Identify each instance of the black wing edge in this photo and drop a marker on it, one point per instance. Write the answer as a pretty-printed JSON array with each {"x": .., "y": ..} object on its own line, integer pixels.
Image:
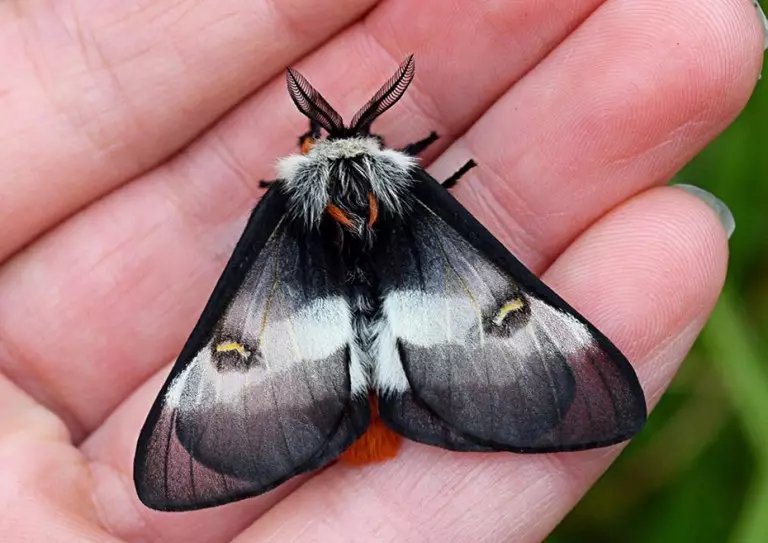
[
  {"x": 434, "y": 431},
  {"x": 432, "y": 194},
  {"x": 261, "y": 224}
]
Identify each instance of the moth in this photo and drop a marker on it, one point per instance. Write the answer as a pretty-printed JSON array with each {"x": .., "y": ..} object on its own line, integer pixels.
[{"x": 363, "y": 303}]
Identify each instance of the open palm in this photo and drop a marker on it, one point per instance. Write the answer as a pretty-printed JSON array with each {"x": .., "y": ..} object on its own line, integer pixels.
[{"x": 132, "y": 141}]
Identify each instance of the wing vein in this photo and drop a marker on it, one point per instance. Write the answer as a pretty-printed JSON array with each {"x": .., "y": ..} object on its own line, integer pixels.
[
  {"x": 542, "y": 354},
  {"x": 465, "y": 287}
]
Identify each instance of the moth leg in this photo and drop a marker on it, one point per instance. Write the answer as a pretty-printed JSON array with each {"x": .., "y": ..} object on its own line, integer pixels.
[
  {"x": 452, "y": 180},
  {"x": 308, "y": 138},
  {"x": 420, "y": 146}
]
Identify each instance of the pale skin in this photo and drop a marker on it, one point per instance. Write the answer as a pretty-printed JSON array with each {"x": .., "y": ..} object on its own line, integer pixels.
[{"x": 132, "y": 140}]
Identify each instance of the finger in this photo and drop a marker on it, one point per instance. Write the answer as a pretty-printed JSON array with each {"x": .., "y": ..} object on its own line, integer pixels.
[
  {"x": 125, "y": 279},
  {"x": 44, "y": 480},
  {"x": 110, "y": 451},
  {"x": 97, "y": 92},
  {"x": 647, "y": 275},
  {"x": 620, "y": 106}
]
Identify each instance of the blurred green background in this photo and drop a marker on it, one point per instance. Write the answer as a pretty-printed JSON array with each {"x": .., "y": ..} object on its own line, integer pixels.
[{"x": 699, "y": 472}]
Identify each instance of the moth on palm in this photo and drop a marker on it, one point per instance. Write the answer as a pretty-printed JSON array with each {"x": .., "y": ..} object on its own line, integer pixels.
[{"x": 363, "y": 303}]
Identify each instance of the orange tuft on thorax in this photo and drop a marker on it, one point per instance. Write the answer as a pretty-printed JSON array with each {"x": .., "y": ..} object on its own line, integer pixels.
[
  {"x": 339, "y": 216},
  {"x": 307, "y": 144},
  {"x": 373, "y": 207},
  {"x": 377, "y": 444}
]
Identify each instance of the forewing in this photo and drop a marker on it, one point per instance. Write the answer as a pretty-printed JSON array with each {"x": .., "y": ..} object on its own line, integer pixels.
[
  {"x": 261, "y": 392},
  {"x": 475, "y": 353}
]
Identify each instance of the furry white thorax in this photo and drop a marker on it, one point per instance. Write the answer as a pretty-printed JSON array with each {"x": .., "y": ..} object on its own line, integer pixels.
[{"x": 306, "y": 177}]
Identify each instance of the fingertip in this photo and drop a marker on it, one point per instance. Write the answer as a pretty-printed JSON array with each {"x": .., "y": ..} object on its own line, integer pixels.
[
  {"x": 646, "y": 269},
  {"x": 720, "y": 208}
]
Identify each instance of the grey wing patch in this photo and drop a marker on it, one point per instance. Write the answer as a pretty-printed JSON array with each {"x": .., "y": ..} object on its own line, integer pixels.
[
  {"x": 465, "y": 348},
  {"x": 269, "y": 396}
]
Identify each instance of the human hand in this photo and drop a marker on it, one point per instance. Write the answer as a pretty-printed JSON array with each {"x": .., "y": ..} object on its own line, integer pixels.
[{"x": 113, "y": 238}]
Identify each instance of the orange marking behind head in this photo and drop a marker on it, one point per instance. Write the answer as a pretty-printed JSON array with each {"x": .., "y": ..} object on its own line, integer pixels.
[
  {"x": 377, "y": 444},
  {"x": 373, "y": 212},
  {"x": 338, "y": 215},
  {"x": 307, "y": 144}
]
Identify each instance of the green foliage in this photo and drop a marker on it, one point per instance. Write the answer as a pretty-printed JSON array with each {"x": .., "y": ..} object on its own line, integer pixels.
[{"x": 700, "y": 470}]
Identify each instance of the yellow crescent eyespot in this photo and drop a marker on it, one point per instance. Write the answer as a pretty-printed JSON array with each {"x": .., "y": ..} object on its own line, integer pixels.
[
  {"x": 506, "y": 309},
  {"x": 229, "y": 346}
]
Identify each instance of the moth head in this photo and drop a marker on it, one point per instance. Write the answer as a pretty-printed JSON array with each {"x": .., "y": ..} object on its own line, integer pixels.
[{"x": 349, "y": 174}]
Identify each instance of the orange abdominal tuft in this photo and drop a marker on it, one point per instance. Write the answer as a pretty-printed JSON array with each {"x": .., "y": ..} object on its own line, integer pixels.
[
  {"x": 377, "y": 444},
  {"x": 339, "y": 216},
  {"x": 373, "y": 207}
]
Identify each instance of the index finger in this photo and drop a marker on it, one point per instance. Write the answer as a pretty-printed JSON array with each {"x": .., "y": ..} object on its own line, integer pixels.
[{"x": 94, "y": 93}]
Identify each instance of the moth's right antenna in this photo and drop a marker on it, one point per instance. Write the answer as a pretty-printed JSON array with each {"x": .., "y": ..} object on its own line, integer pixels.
[{"x": 390, "y": 93}]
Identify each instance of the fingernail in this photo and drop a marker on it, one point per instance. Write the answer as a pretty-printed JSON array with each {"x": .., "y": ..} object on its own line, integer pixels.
[
  {"x": 714, "y": 203},
  {"x": 764, "y": 21}
]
